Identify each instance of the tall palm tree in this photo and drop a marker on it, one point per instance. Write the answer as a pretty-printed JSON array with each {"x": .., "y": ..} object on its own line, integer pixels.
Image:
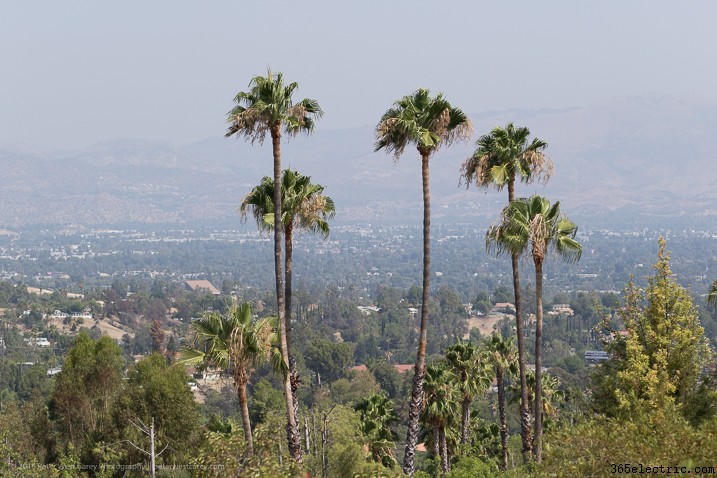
[
  {"x": 440, "y": 408},
  {"x": 473, "y": 376},
  {"x": 502, "y": 355},
  {"x": 534, "y": 222},
  {"x": 501, "y": 157},
  {"x": 304, "y": 208},
  {"x": 426, "y": 122},
  {"x": 268, "y": 107},
  {"x": 377, "y": 416},
  {"x": 232, "y": 341}
]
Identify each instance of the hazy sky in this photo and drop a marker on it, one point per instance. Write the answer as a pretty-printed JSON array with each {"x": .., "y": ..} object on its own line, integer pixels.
[{"x": 77, "y": 72}]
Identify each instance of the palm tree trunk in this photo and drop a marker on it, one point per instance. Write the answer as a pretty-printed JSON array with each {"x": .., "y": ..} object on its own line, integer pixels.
[
  {"x": 525, "y": 419},
  {"x": 292, "y": 430},
  {"x": 445, "y": 464},
  {"x": 538, "y": 443},
  {"x": 288, "y": 269},
  {"x": 501, "y": 414},
  {"x": 420, "y": 370},
  {"x": 465, "y": 419},
  {"x": 244, "y": 404},
  {"x": 436, "y": 442}
]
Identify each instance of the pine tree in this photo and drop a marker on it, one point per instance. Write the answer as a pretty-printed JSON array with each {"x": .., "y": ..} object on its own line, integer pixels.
[{"x": 665, "y": 348}]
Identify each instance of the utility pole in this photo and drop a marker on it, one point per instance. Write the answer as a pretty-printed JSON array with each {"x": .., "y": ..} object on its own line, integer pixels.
[
  {"x": 4, "y": 345},
  {"x": 325, "y": 444},
  {"x": 151, "y": 448},
  {"x": 149, "y": 431},
  {"x": 306, "y": 434}
]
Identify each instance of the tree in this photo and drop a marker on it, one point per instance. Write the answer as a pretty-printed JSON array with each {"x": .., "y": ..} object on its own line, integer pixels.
[
  {"x": 427, "y": 122},
  {"x": 440, "y": 408},
  {"x": 534, "y": 222},
  {"x": 665, "y": 348},
  {"x": 377, "y": 416},
  {"x": 304, "y": 207},
  {"x": 157, "y": 337},
  {"x": 233, "y": 340},
  {"x": 473, "y": 376},
  {"x": 330, "y": 359},
  {"x": 500, "y": 158},
  {"x": 502, "y": 355},
  {"x": 268, "y": 107},
  {"x": 157, "y": 391},
  {"x": 712, "y": 294},
  {"x": 552, "y": 394},
  {"x": 86, "y": 390}
]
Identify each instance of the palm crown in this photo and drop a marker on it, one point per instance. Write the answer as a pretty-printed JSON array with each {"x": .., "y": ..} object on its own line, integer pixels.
[
  {"x": 502, "y": 353},
  {"x": 267, "y": 105},
  {"x": 377, "y": 416},
  {"x": 503, "y": 155},
  {"x": 421, "y": 120},
  {"x": 439, "y": 396},
  {"x": 232, "y": 340},
  {"x": 303, "y": 204},
  {"x": 536, "y": 222},
  {"x": 471, "y": 371}
]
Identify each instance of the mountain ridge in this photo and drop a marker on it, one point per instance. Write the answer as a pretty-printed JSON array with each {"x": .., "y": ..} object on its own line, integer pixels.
[{"x": 652, "y": 151}]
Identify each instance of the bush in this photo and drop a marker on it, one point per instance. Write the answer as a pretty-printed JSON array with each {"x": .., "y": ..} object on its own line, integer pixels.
[{"x": 663, "y": 437}]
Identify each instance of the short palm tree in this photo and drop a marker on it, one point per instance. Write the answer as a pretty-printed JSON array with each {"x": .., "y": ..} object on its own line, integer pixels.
[
  {"x": 534, "y": 222},
  {"x": 304, "y": 208},
  {"x": 712, "y": 294},
  {"x": 268, "y": 107},
  {"x": 503, "y": 355},
  {"x": 473, "y": 376},
  {"x": 232, "y": 341},
  {"x": 377, "y": 415},
  {"x": 501, "y": 157},
  {"x": 428, "y": 123},
  {"x": 440, "y": 399},
  {"x": 552, "y": 395}
]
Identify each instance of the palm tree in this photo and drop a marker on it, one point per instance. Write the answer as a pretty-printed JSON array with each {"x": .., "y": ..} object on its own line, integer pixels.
[
  {"x": 712, "y": 294},
  {"x": 473, "y": 376},
  {"x": 440, "y": 409},
  {"x": 501, "y": 157},
  {"x": 268, "y": 107},
  {"x": 377, "y": 416},
  {"x": 551, "y": 393},
  {"x": 427, "y": 122},
  {"x": 502, "y": 354},
  {"x": 232, "y": 341},
  {"x": 536, "y": 223},
  {"x": 304, "y": 208}
]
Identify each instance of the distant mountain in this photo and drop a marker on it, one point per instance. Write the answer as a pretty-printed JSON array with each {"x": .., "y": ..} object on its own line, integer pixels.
[{"x": 649, "y": 155}]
